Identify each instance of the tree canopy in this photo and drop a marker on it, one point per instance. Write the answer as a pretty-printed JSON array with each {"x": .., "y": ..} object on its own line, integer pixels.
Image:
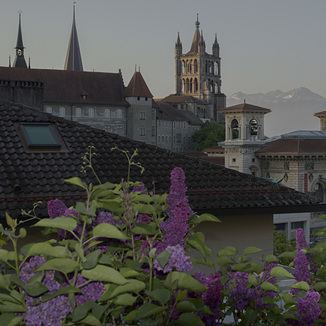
[{"x": 209, "y": 135}]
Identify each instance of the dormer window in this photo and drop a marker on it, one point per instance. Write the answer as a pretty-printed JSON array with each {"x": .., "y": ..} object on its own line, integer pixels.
[{"x": 84, "y": 95}]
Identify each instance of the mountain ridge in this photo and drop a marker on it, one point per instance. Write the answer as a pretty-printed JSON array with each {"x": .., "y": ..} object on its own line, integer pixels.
[{"x": 291, "y": 110}]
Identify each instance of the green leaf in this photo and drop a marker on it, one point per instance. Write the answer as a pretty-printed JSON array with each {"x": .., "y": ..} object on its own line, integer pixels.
[
  {"x": 62, "y": 290},
  {"x": 271, "y": 259},
  {"x": 268, "y": 286},
  {"x": 250, "y": 316},
  {"x": 224, "y": 261},
  {"x": 228, "y": 251},
  {"x": 301, "y": 286},
  {"x": 82, "y": 209},
  {"x": 63, "y": 265},
  {"x": 92, "y": 259},
  {"x": 197, "y": 241},
  {"x": 320, "y": 286},
  {"x": 3, "y": 283},
  {"x": 144, "y": 209},
  {"x": 65, "y": 223},
  {"x": 45, "y": 249},
  {"x": 280, "y": 272},
  {"x": 204, "y": 218},
  {"x": 4, "y": 255},
  {"x": 187, "y": 319},
  {"x": 251, "y": 251},
  {"x": 184, "y": 281},
  {"x": 10, "y": 319},
  {"x": 125, "y": 299},
  {"x": 106, "y": 230},
  {"x": 133, "y": 286},
  {"x": 128, "y": 272},
  {"x": 193, "y": 305},
  {"x": 143, "y": 198},
  {"x": 288, "y": 298},
  {"x": 149, "y": 309},
  {"x": 11, "y": 307},
  {"x": 143, "y": 228},
  {"x": 104, "y": 274},
  {"x": 252, "y": 280},
  {"x": 90, "y": 320},
  {"x": 35, "y": 289},
  {"x": 159, "y": 295},
  {"x": 163, "y": 258},
  {"x": 76, "y": 181}
]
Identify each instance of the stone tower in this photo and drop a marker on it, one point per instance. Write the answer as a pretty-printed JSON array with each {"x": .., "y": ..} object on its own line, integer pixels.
[
  {"x": 20, "y": 59},
  {"x": 244, "y": 135},
  {"x": 198, "y": 73},
  {"x": 73, "y": 58}
]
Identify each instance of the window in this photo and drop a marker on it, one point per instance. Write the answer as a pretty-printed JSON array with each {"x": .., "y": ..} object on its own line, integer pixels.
[
  {"x": 78, "y": 112},
  {"x": 234, "y": 160},
  {"x": 107, "y": 113},
  {"x": 142, "y": 132},
  {"x": 142, "y": 116},
  {"x": 153, "y": 131},
  {"x": 235, "y": 129},
  {"x": 280, "y": 227},
  {"x": 91, "y": 113},
  {"x": 159, "y": 139},
  {"x": 48, "y": 109},
  {"x": 62, "y": 112},
  {"x": 40, "y": 136},
  {"x": 119, "y": 113},
  {"x": 253, "y": 160}
]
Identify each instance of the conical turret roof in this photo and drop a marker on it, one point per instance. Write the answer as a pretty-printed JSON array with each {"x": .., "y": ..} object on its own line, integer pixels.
[
  {"x": 137, "y": 87},
  {"x": 73, "y": 58},
  {"x": 20, "y": 59},
  {"x": 196, "y": 39}
]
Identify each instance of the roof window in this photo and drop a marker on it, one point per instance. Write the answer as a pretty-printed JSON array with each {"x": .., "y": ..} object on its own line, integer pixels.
[{"x": 40, "y": 136}]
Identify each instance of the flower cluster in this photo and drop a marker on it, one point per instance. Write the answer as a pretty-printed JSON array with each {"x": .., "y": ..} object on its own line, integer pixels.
[
  {"x": 308, "y": 308},
  {"x": 47, "y": 313},
  {"x": 177, "y": 261}
]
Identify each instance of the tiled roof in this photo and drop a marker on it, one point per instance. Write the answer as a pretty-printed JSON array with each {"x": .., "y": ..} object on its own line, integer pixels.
[
  {"x": 137, "y": 87},
  {"x": 294, "y": 147},
  {"x": 166, "y": 111},
  {"x": 173, "y": 98},
  {"x": 26, "y": 177},
  {"x": 244, "y": 107},
  {"x": 62, "y": 86}
]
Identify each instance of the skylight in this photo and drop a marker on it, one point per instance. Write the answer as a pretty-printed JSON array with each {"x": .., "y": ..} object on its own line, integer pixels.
[{"x": 40, "y": 136}]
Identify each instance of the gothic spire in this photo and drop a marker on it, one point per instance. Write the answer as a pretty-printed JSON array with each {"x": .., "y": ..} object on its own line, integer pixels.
[
  {"x": 196, "y": 39},
  {"x": 20, "y": 59},
  {"x": 73, "y": 58}
]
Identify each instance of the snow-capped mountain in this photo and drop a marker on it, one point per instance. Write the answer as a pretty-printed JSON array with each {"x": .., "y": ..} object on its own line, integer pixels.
[{"x": 292, "y": 110}]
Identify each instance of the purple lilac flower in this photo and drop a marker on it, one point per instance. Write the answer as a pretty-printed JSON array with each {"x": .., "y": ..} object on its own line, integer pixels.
[
  {"x": 176, "y": 227},
  {"x": 104, "y": 217},
  {"x": 177, "y": 261},
  {"x": 56, "y": 208},
  {"x": 302, "y": 244},
  {"x": 177, "y": 190},
  {"x": 47, "y": 313},
  {"x": 308, "y": 308},
  {"x": 241, "y": 293},
  {"x": 301, "y": 271},
  {"x": 91, "y": 291},
  {"x": 141, "y": 188}
]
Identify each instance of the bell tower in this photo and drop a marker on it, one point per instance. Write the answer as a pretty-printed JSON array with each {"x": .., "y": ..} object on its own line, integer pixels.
[
  {"x": 198, "y": 74},
  {"x": 244, "y": 135},
  {"x": 20, "y": 59}
]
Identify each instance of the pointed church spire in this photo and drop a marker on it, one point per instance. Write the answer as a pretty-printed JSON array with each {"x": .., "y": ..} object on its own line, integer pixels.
[
  {"x": 216, "y": 47},
  {"x": 20, "y": 59},
  {"x": 196, "y": 39},
  {"x": 73, "y": 58}
]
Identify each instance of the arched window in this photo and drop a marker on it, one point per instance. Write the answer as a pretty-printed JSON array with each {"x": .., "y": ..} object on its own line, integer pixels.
[
  {"x": 183, "y": 67},
  {"x": 190, "y": 86},
  {"x": 196, "y": 85},
  {"x": 195, "y": 66},
  {"x": 119, "y": 113},
  {"x": 187, "y": 86},
  {"x": 62, "y": 111},
  {"x": 48, "y": 109},
  {"x": 107, "y": 113},
  {"x": 190, "y": 67},
  {"x": 91, "y": 112},
  {"x": 78, "y": 112},
  {"x": 253, "y": 129},
  {"x": 319, "y": 191},
  {"x": 235, "y": 129}
]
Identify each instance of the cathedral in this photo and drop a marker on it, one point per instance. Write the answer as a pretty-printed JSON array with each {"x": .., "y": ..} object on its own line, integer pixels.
[{"x": 198, "y": 79}]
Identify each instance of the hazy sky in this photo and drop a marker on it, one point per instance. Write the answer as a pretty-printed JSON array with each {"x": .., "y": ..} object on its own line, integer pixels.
[{"x": 265, "y": 45}]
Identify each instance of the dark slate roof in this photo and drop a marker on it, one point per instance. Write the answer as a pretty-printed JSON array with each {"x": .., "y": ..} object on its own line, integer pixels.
[
  {"x": 62, "y": 86},
  {"x": 174, "y": 98},
  {"x": 137, "y": 87},
  {"x": 165, "y": 111},
  {"x": 26, "y": 177}
]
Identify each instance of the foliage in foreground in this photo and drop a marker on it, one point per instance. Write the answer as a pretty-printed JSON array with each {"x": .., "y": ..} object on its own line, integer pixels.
[{"x": 122, "y": 257}]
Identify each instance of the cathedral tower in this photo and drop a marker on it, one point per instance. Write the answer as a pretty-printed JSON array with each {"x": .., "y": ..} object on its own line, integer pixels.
[
  {"x": 20, "y": 59},
  {"x": 198, "y": 73},
  {"x": 73, "y": 58}
]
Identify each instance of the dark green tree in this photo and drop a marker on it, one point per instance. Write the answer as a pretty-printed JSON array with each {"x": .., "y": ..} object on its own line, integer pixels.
[{"x": 209, "y": 135}]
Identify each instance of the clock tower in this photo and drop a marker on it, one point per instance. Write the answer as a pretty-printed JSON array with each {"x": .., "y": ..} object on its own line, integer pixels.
[{"x": 20, "y": 59}]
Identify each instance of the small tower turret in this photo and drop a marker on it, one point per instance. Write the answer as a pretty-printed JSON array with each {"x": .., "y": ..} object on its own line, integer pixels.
[
  {"x": 20, "y": 59},
  {"x": 216, "y": 48},
  {"x": 178, "y": 65}
]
